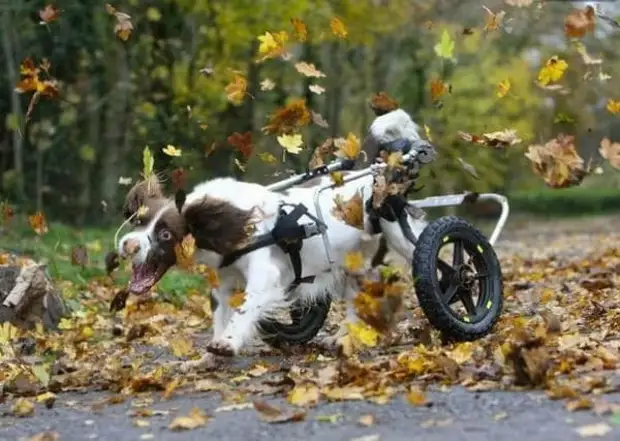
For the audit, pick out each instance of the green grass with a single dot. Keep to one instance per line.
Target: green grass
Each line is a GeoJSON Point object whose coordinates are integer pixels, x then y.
{"type": "Point", "coordinates": [566, 202]}
{"type": "Point", "coordinates": [54, 249]}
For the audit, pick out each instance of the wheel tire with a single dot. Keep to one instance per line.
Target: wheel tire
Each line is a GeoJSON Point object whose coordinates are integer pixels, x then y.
{"type": "Point", "coordinates": [438, 312]}
{"type": "Point", "coordinates": [307, 322]}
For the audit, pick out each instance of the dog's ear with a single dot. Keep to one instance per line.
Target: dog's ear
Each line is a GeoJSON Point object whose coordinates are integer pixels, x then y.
{"type": "Point", "coordinates": [140, 193]}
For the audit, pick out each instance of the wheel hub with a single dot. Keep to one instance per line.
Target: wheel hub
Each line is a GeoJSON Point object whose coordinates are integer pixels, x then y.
{"type": "Point", "coordinates": [465, 276]}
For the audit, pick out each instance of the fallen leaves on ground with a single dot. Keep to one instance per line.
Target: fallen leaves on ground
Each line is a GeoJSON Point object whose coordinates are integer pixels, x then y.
{"type": "Point", "coordinates": [272, 414]}
{"type": "Point", "coordinates": [195, 419]}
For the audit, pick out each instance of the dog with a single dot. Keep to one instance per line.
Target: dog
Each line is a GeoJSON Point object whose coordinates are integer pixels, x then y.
{"type": "Point", "coordinates": [224, 215]}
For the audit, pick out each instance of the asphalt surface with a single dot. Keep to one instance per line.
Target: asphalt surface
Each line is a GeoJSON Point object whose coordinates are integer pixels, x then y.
{"type": "Point", "coordinates": [457, 414]}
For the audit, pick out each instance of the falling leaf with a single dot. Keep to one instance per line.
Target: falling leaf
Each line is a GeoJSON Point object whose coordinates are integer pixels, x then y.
{"type": "Point", "coordinates": [587, 59]}
{"type": "Point", "coordinates": [124, 181]}
{"type": "Point", "coordinates": [272, 414]}
{"type": "Point", "coordinates": [300, 30]}
{"type": "Point", "coordinates": [613, 106]}
{"type": "Point", "coordinates": [123, 26]}
{"type": "Point", "coordinates": [267, 84]}
{"type": "Point", "coordinates": [195, 419]}
{"type": "Point", "coordinates": [350, 211]}
{"type": "Point", "coordinates": [492, 21]}
{"type": "Point", "coordinates": [31, 81]}
{"type": "Point", "coordinates": [22, 407]}
{"type": "Point", "coordinates": [304, 395]}
{"type": "Point", "coordinates": [503, 87]}
{"type": "Point", "coordinates": [438, 89]}
{"type": "Point", "coordinates": [268, 158]}
{"type": "Point", "coordinates": [185, 251]}
{"type": "Point", "coordinates": [611, 152]}
{"type": "Point", "coordinates": [445, 47]}
{"type": "Point", "coordinates": [338, 28]}
{"type": "Point", "coordinates": [79, 256]}
{"type": "Point", "coordinates": [272, 44]}
{"type": "Point", "coordinates": [308, 70]}
{"type": "Point", "coordinates": [468, 167]}
{"type": "Point", "coordinates": [557, 162]}
{"type": "Point", "coordinates": [427, 132]}
{"type": "Point", "coordinates": [552, 71]}
{"type": "Point", "coordinates": [288, 118]}
{"type": "Point", "coordinates": [49, 14]}
{"type": "Point", "coordinates": [37, 223]}
{"type": "Point", "coordinates": [363, 333]}
{"type": "Point", "coordinates": [239, 165]}
{"type": "Point", "coordinates": [206, 71]}
{"type": "Point", "coordinates": [350, 148]}
{"type": "Point", "coordinates": [242, 142]}
{"type": "Point", "coordinates": [318, 119]}
{"type": "Point", "coordinates": [579, 22]}
{"type": "Point", "coordinates": [236, 89]}
{"type": "Point", "coordinates": [315, 88]}
{"type": "Point", "coordinates": [354, 261]}
{"type": "Point", "coordinates": [291, 143]}
{"type": "Point", "coordinates": [500, 139]}
{"type": "Point", "coordinates": [237, 299]}
{"type": "Point", "coordinates": [416, 397]}
{"type": "Point", "coordinates": [171, 150]}
{"type": "Point", "coordinates": [147, 163]}
{"type": "Point", "coordinates": [596, 429]}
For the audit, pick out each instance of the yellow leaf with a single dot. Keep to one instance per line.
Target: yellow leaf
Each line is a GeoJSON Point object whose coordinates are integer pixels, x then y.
{"type": "Point", "coordinates": [236, 89]}
{"type": "Point", "coordinates": [613, 106]}
{"type": "Point", "coordinates": [337, 178]}
{"type": "Point", "coordinates": [363, 334]}
{"type": "Point", "coordinates": [171, 150]}
{"type": "Point", "coordinates": [427, 131]}
{"type": "Point", "coordinates": [338, 28]}
{"type": "Point", "coordinates": [236, 299]}
{"type": "Point", "coordinates": [195, 419]}
{"type": "Point", "coordinates": [350, 148]}
{"type": "Point", "coordinates": [185, 251]}
{"type": "Point", "coordinates": [181, 346]}
{"type": "Point", "coordinates": [552, 71]}
{"type": "Point", "coordinates": [47, 398]}
{"type": "Point", "coordinates": [171, 386]}
{"type": "Point", "coordinates": [304, 395]}
{"type": "Point", "coordinates": [301, 29]}
{"type": "Point", "coordinates": [354, 261]}
{"type": "Point", "coordinates": [42, 372]}
{"type": "Point", "coordinates": [147, 162]}
{"type": "Point", "coordinates": [22, 408]}
{"type": "Point", "coordinates": [350, 211]}
{"type": "Point", "coordinates": [416, 397]}
{"type": "Point", "coordinates": [271, 45]}
{"type": "Point", "coordinates": [492, 21]}
{"type": "Point", "coordinates": [291, 143]}
{"type": "Point", "coordinates": [143, 210]}
{"type": "Point", "coordinates": [8, 333]}
{"type": "Point", "coordinates": [267, 158]}
{"type": "Point", "coordinates": [502, 88]}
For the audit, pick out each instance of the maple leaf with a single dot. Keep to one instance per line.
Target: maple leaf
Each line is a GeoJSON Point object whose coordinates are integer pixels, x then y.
{"type": "Point", "coordinates": [315, 88]}
{"type": "Point", "coordinates": [338, 28]}
{"type": "Point", "coordinates": [37, 223]}
{"type": "Point", "coordinates": [31, 82]}
{"type": "Point", "coordinates": [348, 148]}
{"type": "Point", "coordinates": [300, 29]}
{"type": "Point", "coordinates": [49, 14]}
{"type": "Point", "coordinates": [503, 87]}
{"type": "Point", "coordinates": [195, 419]}
{"type": "Point", "coordinates": [185, 251]}
{"type": "Point", "coordinates": [579, 22]}
{"type": "Point", "coordinates": [613, 106]}
{"type": "Point", "coordinates": [171, 150]}
{"type": "Point", "coordinates": [236, 89]}
{"type": "Point", "coordinates": [308, 70]}
{"type": "Point", "coordinates": [123, 26]}
{"type": "Point", "coordinates": [267, 84]}
{"type": "Point", "coordinates": [271, 44]}
{"type": "Point", "coordinates": [492, 21]}
{"type": "Point", "coordinates": [611, 152]}
{"type": "Point", "coordinates": [557, 162]}
{"type": "Point", "coordinates": [438, 89]}
{"type": "Point", "coordinates": [242, 142]}
{"type": "Point", "coordinates": [291, 143]}
{"type": "Point", "coordinates": [552, 71]}
{"type": "Point", "coordinates": [350, 211]}
{"type": "Point", "coordinates": [445, 47]}
{"type": "Point", "coordinates": [363, 334]}
{"type": "Point", "coordinates": [288, 118]}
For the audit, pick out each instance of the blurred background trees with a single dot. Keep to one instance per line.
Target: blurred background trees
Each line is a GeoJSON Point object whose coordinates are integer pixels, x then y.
{"type": "Point", "coordinates": [165, 85]}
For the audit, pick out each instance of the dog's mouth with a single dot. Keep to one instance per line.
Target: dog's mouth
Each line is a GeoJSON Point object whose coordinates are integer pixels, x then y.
{"type": "Point", "coordinates": [144, 276]}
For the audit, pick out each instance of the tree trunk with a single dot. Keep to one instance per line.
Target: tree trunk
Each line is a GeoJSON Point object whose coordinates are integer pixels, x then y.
{"type": "Point", "coordinates": [335, 89]}
{"type": "Point", "coordinates": [16, 109]}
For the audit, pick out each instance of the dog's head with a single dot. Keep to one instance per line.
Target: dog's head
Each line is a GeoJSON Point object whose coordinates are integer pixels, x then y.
{"type": "Point", "coordinates": [160, 224]}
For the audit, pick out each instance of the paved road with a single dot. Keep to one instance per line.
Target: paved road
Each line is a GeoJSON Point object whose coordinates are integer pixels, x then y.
{"type": "Point", "coordinates": [457, 414]}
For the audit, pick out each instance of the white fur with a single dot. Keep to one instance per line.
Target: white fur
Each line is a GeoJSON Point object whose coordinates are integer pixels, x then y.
{"type": "Point", "coordinates": [394, 125]}
{"type": "Point", "coordinates": [266, 273]}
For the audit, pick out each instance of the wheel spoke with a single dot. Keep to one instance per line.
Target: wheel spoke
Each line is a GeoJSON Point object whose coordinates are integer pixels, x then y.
{"type": "Point", "coordinates": [468, 302]}
{"type": "Point", "coordinates": [445, 268]}
{"type": "Point", "coordinates": [451, 293]}
{"type": "Point", "coordinates": [459, 256]}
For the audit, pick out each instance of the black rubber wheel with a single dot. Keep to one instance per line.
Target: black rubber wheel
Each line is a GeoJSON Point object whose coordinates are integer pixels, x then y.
{"type": "Point", "coordinates": [473, 279]}
{"type": "Point", "coordinates": [306, 322]}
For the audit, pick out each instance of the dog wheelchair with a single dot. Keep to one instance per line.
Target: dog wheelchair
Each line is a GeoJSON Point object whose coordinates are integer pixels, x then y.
{"type": "Point", "coordinates": [474, 281]}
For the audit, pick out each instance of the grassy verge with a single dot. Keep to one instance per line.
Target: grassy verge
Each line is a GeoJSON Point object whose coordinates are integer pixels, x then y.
{"type": "Point", "coordinates": [567, 202]}
{"type": "Point", "coordinates": [54, 249]}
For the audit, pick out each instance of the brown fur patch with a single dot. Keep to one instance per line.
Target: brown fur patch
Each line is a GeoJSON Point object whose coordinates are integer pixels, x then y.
{"type": "Point", "coordinates": [140, 193]}
{"type": "Point", "coordinates": [218, 225]}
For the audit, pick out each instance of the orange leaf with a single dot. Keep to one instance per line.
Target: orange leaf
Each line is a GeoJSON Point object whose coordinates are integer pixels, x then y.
{"type": "Point", "coordinates": [351, 211]}
{"type": "Point", "coordinates": [242, 142]}
{"type": "Point", "coordinates": [236, 89]}
{"type": "Point", "coordinates": [613, 106]}
{"type": "Point", "coordinates": [49, 14]}
{"type": "Point", "coordinates": [185, 252]}
{"type": "Point", "coordinates": [438, 89]}
{"type": "Point", "coordinates": [557, 162]}
{"type": "Point", "coordinates": [301, 29]}
{"type": "Point", "coordinates": [579, 22]}
{"type": "Point", "coordinates": [289, 118]}
{"type": "Point", "coordinates": [237, 299]}
{"type": "Point", "coordinates": [338, 28]}
{"type": "Point", "coordinates": [37, 223]}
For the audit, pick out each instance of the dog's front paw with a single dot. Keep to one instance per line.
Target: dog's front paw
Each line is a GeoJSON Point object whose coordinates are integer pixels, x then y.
{"type": "Point", "coordinates": [221, 347]}
{"type": "Point", "coordinates": [207, 361]}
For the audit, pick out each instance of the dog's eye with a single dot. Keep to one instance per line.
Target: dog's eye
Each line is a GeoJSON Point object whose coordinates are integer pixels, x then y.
{"type": "Point", "coordinates": [165, 235]}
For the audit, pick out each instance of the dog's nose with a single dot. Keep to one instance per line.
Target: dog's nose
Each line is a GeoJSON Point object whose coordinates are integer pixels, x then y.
{"type": "Point", "coordinates": [131, 247]}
